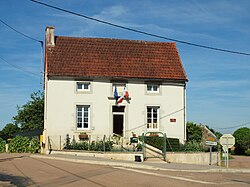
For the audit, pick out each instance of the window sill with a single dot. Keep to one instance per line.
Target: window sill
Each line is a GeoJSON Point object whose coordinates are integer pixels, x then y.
{"type": "Point", "coordinates": [113, 98]}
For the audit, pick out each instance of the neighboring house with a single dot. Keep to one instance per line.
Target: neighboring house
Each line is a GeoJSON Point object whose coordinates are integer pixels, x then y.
{"type": "Point", "coordinates": [83, 75]}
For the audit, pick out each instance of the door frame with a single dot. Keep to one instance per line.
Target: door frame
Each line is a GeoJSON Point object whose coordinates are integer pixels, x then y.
{"type": "Point", "coordinates": [124, 124]}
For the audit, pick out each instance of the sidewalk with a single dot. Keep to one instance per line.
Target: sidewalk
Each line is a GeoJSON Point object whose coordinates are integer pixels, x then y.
{"type": "Point", "coordinates": [152, 165]}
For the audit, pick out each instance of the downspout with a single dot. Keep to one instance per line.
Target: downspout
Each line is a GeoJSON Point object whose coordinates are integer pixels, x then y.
{"type": "Point", "coordinates": [184, 112]}
{"type": "Point", "coordinates": [45, 140]}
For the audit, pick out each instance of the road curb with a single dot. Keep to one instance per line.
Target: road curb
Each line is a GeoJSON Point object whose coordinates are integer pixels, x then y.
{"type": "Point", "coordinates": [94, 162]}
{"type": "Point", "coordinates": [137, 166]}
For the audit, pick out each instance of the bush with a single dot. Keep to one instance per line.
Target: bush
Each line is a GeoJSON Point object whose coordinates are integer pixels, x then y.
{"type": "Point", "coordinates": [93, 146]}
{"type": "Point", "coordinates": [19, 144]}
{"type": "Point", "coordinates": [239, 151]}
{"type": "Point", "coordinates": [34, 145]}
{"type": "Point", "coordinates": [192, 146]}
{"type": "Point", "coordinates": [247, 152]}
{"type": "Point", "coordinates": [79, 145]}
{"type": "Point", "coordinates": [2, 145]}
{"type": "Point", "coordinates": [194, 132]}
{"type": "Point", "coordinates": [242, 140]}
{"type": "Point", "coordinates": [22, 144]}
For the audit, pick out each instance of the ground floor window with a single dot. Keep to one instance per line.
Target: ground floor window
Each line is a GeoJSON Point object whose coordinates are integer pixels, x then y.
{"type": "Point", "coordinates": [83, 116]}
{"type": "Point", "coordinates": [153, 117]}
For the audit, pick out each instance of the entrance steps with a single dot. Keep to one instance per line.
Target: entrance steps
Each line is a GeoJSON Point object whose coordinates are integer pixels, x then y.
{"type": "Point", "coordinates": [153, 154]}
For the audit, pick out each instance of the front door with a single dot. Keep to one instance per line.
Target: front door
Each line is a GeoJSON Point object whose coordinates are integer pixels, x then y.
{"type": "Point", "coordinates": [118, 124]}
{"type": "Point", "coordinates": [118, 119]}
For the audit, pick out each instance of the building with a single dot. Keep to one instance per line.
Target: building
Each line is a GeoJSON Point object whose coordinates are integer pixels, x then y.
{"type": "Point", "coordinates": [83, 76]}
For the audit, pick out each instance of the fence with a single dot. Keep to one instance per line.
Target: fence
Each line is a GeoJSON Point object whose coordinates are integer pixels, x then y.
{"type": "Point", "coordinates": [114, 143]}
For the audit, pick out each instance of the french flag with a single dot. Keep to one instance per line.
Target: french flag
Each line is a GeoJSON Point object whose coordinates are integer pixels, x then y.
{"type": "Point", "coordinates": [116, 94]}
{"type": "Point", "coordinates": [125, 95]}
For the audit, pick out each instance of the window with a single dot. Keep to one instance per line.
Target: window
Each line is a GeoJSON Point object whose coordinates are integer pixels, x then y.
{"type": "Point", "coordinates": [153, 117]}
{"type": "Point", "coordinates": [83, 86]}
{"type": "Point", "coordinates": [119, 88]}
{"type": "Point", "coordinates": [83, 116]}
{"type": "Point", "coordinates": [152, 88]}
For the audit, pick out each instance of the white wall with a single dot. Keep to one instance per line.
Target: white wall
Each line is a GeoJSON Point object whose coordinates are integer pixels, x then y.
{"type": "Point", "coordinates": [62, 98]}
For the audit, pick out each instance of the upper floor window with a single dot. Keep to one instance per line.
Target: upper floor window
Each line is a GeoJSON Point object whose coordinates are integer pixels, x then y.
{"type": "Point", "coordinates": [153, 88]}
{"type": "Point", "coordinates": [153, 117]}
{"type": "Point", "coordinates": [83, 86]}
{"type": "Point", "coordinates": [119, 88]}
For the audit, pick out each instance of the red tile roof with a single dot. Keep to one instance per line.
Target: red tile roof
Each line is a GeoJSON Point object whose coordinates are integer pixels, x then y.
{"type": "Point", "coordinates": [113, 58]}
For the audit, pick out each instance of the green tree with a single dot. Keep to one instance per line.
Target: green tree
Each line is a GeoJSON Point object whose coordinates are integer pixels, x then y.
{"type": "Point", "coordinates": [194, 132]}
{"type": "Point", "coordinates": [30, 115]}
{"type": "Point", "coordinates": [10, 129]}
{"type": "Point", "coordinates": [242, 140]}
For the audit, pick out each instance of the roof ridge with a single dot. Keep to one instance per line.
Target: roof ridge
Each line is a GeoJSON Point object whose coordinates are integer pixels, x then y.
{"type": "Point", "coordinates": [117, 39]}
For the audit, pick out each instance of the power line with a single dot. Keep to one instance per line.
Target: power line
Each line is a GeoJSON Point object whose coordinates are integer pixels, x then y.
{"type": "Point", "coordinates": [162, 117]}
{"type": "Point", "coordinates": [143, 32]}
{"type": "Point", "coordinates": [31, 38]}
{"type": "Point", "coordinates": [231, 127]}
{"type": "Point", "coordinates": [12, 28]}
{"type": "Point", "coordinates": [18, 67]}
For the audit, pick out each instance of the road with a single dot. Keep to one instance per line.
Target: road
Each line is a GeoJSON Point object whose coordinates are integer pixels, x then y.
{"type": "Point", "coordinates": [22, 170]}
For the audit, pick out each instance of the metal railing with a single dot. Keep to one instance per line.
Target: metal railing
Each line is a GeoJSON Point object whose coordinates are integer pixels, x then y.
{"type": "Point", "coordinates": [113, 143]}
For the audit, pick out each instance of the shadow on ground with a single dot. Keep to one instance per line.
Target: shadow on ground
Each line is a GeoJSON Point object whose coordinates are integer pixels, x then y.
{"type": "Point", "coordinates": [15, 180]}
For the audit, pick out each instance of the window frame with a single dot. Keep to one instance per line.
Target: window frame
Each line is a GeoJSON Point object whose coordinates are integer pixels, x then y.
{"type": "Point", "coordinates": [83, 83]}
{"type": "Point", "coordinates": [152, 91]}
{"type": "Point", "coordinates": [83, 107]}
{"type": "Point", "coordinates": [119, 87]}
{"type": "Point", "coordinates": [151, 124]}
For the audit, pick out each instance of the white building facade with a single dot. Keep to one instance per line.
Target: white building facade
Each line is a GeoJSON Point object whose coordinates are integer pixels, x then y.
{"type": "Point", "coordinates": [76, 101]}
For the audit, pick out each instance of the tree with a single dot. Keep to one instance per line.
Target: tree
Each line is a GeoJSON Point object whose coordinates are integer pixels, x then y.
{"type": "Point", "coordinates": [30, 115]}
{"type": "Point", "coordinates": [242, 140]}
{"type": "Point", "coordinates": [10, 129]}
{"type": "Point", "coordinates": [194, 132]}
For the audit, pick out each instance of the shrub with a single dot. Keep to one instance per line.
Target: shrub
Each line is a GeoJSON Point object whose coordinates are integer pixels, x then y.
{"type": "Point", "coordinates": [34, 145]}
{"type": "Point", "coordinates": [99, 146]}
{"type": "Point", "coordinates": [79, 145]}
{"type": "Point", "coordinates": [247, 152]}
{"type": "Point", "coordinates": [192, 146]}
{"type": "Point", "coordinates": [2, 145]}
{"type": "Point", "coordinates": [242, 140]}
{"type": "Point", "coordinates": [22, 144]}
{"type": "Point", "coordinates": [67, 145]}
{"type": "Point", "coordinates": [19, 144]}
{"type": "Point", "coordinates": [239, 150]}
{"type": "Point", "coordinates": [93, 146]}
{"type": "Point", "coordinates": [194, 132]}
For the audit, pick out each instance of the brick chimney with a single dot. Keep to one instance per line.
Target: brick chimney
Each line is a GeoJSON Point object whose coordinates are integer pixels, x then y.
{"type": "Point", "coordinates": [50, 36]}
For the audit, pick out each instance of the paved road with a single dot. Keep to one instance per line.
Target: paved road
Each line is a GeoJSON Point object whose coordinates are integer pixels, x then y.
{"type": "Point", "coordinates": [22, 170]}
{"type": "Point", "coordinates": [240, 162]}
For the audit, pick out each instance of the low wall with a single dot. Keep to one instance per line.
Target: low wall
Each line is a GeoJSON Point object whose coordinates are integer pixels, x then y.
{"type": "Point", "coordinates": [187, 158]}
{"type": "Point", "coordinates": [108, 155]}
{"type": "Point", "coordinates": [193, 158]}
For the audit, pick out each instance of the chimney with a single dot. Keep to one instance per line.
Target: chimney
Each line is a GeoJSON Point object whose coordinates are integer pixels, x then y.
{"type": "Point", "coordinates": [50, 36]}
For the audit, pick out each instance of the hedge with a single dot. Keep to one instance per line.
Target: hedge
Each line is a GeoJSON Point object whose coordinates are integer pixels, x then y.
{"type": "Point", "coordinates": [93, 146]}
{"type": "Point", "coordinates": [2, 145]}
{"type": "Point", "coordinates": [22, 144]}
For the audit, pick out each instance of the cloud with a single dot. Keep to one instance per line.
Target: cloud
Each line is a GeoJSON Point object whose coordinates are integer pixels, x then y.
{"type": "Point", "coordinates": [189, 12]}
{"type": "Point", "coordinates": [113, 12]}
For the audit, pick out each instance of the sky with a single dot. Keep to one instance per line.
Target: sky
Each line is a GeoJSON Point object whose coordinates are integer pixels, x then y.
{"type": "Point", "coordinates": [218, 90]}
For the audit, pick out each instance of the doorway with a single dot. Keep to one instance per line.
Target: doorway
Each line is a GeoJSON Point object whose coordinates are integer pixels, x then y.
{"type": "Point", "coordinates": [118, 119]}
{"type": "Point", "coordinates": [118, 124]}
